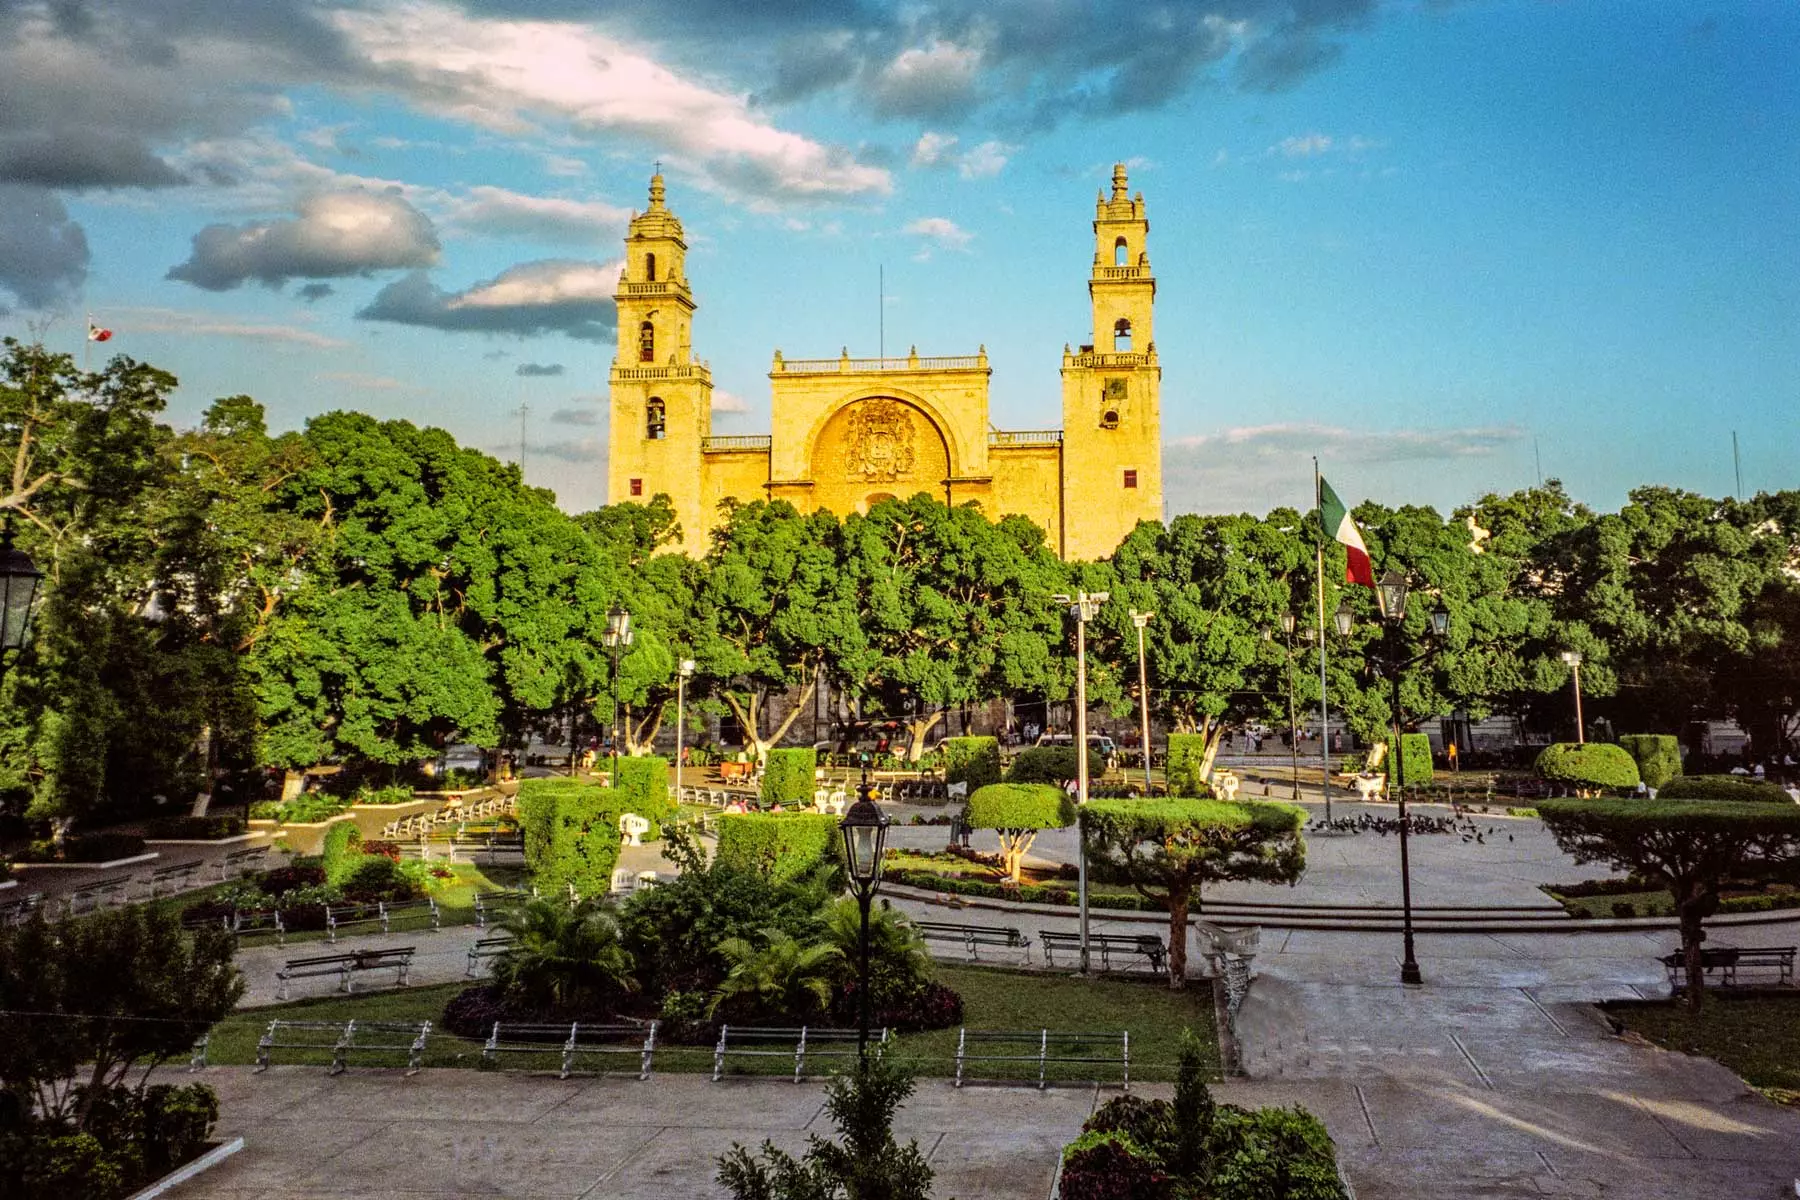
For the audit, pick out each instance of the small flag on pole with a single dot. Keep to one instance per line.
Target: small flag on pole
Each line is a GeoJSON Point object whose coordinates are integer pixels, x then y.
{"type": "Point", "coordinates": [97, 334]}
{"type": "Point", "coordinates": [1338, 523]}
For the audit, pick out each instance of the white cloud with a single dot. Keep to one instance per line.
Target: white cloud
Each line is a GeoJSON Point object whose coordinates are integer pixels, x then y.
{"type": "Point", "coordinates": [934, 149]}
{"type": "Point", "coordinates": [494, 210]}
{"type": "Point", "coordinates": [531, 299]}
{"type": "Point", "coordinates": [332, 235]}
{"type": "Point", "coordinates": [367, 383]}
{"type": "Point", "coordinates": [204, 324]}
{"type": "Point", "coordinates": [935, 80]}
{"type": "Point", "coordinates": [509, 75]}
{"type": "Point", "coordinates": [728, 402]}
{"type": "Point", "coordinates": [940, 231]}
{"type": "Point", "coordinates": [1305, 145]}
{"type": "Point", "coordinates": [938, 151]}
{"type": "Point", "coordinates": [986, 160]}
{"type": "Point", "coordinates": [558, 164]}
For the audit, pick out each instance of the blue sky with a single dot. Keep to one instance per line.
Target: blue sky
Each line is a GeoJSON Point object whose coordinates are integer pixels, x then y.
{"type": "Point", "coordinates": [1430, 242]}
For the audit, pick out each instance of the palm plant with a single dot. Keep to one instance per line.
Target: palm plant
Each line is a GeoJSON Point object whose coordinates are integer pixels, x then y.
{"type": "Point", "coordinates": [898, 962]}
{"type": "Point", "coordinates": [780, 976]}
{"type": "Point", "coordinates": [563, 956]}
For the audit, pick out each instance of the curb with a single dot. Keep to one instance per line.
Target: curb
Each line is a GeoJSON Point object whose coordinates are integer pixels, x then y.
{"type": "Point", "coordinates": [205, 1162]}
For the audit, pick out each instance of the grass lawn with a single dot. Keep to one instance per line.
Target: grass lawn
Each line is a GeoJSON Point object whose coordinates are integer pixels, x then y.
{"type": "Point", "coordinates": [952, 867]}
{"type": "Point", "coordinates": [1756, 1036]}
{"type": "Point", "coordinates": [1643, 904]}
{"type": "Point", "coordinates": [992, 998]}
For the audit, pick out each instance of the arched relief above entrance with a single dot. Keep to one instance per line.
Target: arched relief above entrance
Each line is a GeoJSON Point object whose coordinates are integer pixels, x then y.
{"type": "Point", "coordinates": [877, 444]}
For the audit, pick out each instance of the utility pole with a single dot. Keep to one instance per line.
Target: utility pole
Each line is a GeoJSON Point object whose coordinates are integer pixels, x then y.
{"type": "Point", "coordinates": [1141, 619]}
{"type": "Point", "coordinates": [1083, 606]}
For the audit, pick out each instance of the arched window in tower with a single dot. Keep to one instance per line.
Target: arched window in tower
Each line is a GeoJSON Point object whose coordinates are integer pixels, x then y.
{"type": "Point", "coordinates": [1122, 336]}
{"type": "Point", "coordinates": [650, 267]}
{"type": "Point", "coordinates": [647, 342]}
{"type": "Point", "coordinates": [653, 419]}
{"type": "Point", "coordinates": [1119, 253]}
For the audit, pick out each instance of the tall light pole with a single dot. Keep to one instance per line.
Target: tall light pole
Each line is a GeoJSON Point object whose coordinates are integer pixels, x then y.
{"type": "Point", "coordinates": [617, 637]}
{"type": "Point", "coordinates": [1141, 619]}
{"type": "Point", "coordinates": [1287, 630]}
{"type": "Point", "coordinates": [1390, 661]}
{"type": "Point", "coordinates": [1573, 658]}
{"type": "Point", "coordinates": [683, 672]}
{"type": "Point", "coordinates": [864, 828]}
{"type": "Point", "coordinates": [1083, 606]}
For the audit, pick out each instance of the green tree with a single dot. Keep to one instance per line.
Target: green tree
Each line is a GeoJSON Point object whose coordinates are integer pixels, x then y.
{"type": "Point", "coordinates": [1690, 847]}
{"type": "Point", "coordinates": [564, 956]}
{"type": "Point", "coordinates": [1170, 849]}
{"type": "Point", "coordinates": [1017, 812]}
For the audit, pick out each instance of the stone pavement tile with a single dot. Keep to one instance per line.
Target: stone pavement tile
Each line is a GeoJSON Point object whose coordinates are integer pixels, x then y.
{"type": "Point", "coordinates": [692, 1101]}
{"type": "Point", "coordinates": [485, 1096]}
{"type": "Point", "coordinates": [470, 1158]}
{"type": "Point", "coordinates": [937, 1106]}
{"type": "Point", "coordinates": [1558, 946]}
{"type": "Point", "coordinates": [1012, 1165]}
{"type": "Point", "coordinates": [1300, 966]}
{"type": "Point", "coordinates": [680, 1163]}
{"type": "Point", "coordinates": [246, 1097]}
{"type": "Point", "coordinates": [1747, 1128]}
{"type": "Point", "coordinates": [1448, 1171]}
{"type": "Point", "coordinates": [1668, 1179]}
{"type": "Point", "coordinates": [278, 1155]}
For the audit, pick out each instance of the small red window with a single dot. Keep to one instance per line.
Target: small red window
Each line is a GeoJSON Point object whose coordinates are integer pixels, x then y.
{"type": "Point", "coordinates": [637, 485]}
{"type": "Point", "coordinates": [1130, 479]}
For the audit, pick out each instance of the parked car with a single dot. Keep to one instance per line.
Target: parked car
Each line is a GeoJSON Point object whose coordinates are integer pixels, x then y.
{"type": "Point", "coordinates": [1100, 743]}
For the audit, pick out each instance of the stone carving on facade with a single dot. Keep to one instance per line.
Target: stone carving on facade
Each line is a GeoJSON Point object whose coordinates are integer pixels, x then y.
{"type": "Point", "coordinates": [881, 441]}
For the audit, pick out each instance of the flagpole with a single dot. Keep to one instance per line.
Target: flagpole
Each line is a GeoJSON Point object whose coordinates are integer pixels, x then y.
{"type": "Point", "coordinates": [1324, 714]}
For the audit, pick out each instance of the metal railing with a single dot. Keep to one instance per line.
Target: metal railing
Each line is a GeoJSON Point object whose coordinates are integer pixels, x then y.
{"type": "Point", "coordinates": [832, 366]}
{"type": "Point", "coordinates": [739, 441]}
{"type": "Point", "coordinates": [1124, 358]}
{"type": "Point", "coordinates": [1025, 437]}
{"type": "Point", "coordinates": [684, 371]}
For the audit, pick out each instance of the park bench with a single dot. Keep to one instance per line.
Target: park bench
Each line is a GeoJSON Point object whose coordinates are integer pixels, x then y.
{"type": "Point", "coordinates": [572, 1041]}
{"type": "Point", "coordinates": [379, 912]}
{"type": "Point", "coordinates": [252, 922]}
{"type": "Point", "coordinates": [485, 948]}
{"type": "Point", "coordinates": [490, 903]}
{"type": "Point", "coordinates": [17, 912]}
{"type": "Point", "coordinates": [114, 889]}
{"type": "Point", "coordinates": [344, 1039]}
{"type": "Point", "coordinates": [1728, 963]}
{"type": "Point", "coordinates": [346, 967]}
{"type": "Point", "coordinates": [1128, 946]}
{"type": "Point", "coordinates": [176, 877]}
{"type": "Point", "coordinates": [239, 862]}
{"type": "Point", "coordinates": [747, 1041]}
{"type": "Point", "coordinates": [1043, 1047]}
{"type": "Point", "coordinates": [974, 936]}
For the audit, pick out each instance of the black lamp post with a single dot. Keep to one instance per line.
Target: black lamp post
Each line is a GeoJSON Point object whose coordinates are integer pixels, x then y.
{"type": "Point", "coordinates": [19, 580]}
{"type": "Point", "coordinates": [865, 829]}
{"type": "Point", "coordinates": [1390, 661]}
{"type": "Point", "coordinates": [617, 637]}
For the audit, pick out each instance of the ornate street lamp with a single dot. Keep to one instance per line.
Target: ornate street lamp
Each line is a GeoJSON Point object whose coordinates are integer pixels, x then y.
{"type": "Point", "coordinates": [19, 580]}
{"type": "Point", "coordinates": [865, 829]}
{"type": "Point", "coordinates": [618, 636]}
{"type": "Point", "coordinates": [1287, 631]}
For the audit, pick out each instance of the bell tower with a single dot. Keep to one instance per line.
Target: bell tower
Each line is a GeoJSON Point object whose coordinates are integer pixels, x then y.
{"type": "Point", "coordinates": [1111, 387]}
{"type": "Point", "coordinates": [661, 395]}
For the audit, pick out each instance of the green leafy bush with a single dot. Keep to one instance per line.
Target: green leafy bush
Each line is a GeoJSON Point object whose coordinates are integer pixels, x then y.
{"type": "Point", "coordinates": [396, 794]}
{"type": "Point", "coordinates": [1017, 811]}
{"type": "Point", "coordinates": [1186, 752]}
{"type": "Point", "coordinates": [341, 852]}
{"type": "Point", "coordinates": [972, 760]}
{"type": "Point", "coordinates": [780, 845]}
{"type": "Point", "coordinates": [1588, 767]}
{"type": "Point", "coordinates": [305, 808]}
{"type": "Point", "coordinates": [1272, 1152]}
{"type": "Point", "coordinates": [644, 784]}
{"type": "Point", "coordinates": [1052, 764]}
{"type": "Point", "coordinates": [1658, 756]}
{"type": "Point", "coordinates": [1724, 787]}
{"type": "Point", "coordinates": [571, 830]}
{"type": "Point", "coordinates": [1415, 759]}
{"type": "Point", "coordinates": [85, 847]}
{"type": "Point", "coordinates": [788, 776]}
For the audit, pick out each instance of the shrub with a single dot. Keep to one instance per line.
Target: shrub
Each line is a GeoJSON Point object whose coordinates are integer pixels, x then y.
{"type": "Point", "coordinates": [1658, 756]}
{"type": "Point", "coordinates": [1590, 767]}
{"type": "Point", "coordinates": [1724, 787]}
{"type": "Point", "coordinates": [571, 830]}
{"type": "Point", "coordinates": [1269, 1152]}
{"type": "Point", "coordinates": [779, 845]}
{"type": "Point", "coordinates": [397, 794]}
{"type": "Point", "coordinates": [643, 784]}
{"type": "Point", "coordinates": [1415, 759]}
{"type": "Point", "coordinates": [279, 881]}
{"type": "Point", "coordinates": [471, 1013]}
{"type": "Point", "coordinates": [567, 959]}
{"type": "Point", "coordinates": [194, 828]}
{"type": "Point", "coordinates": [307, 807]}
{"type": "Point", "coordinates": [374, 877]}
{"type": "Point", "coordinates": [1187, 751]}
{"type": "Point", "coordinates": [86, 847]}
{"type": "Point", "coordinates": [1110, 1165]}
{"type": "Point", "coordinates": [1017, 811]}
{"type": "Point", "coordinates": [1052, 764]}
{"type": "Point", "coordinates": [788, 776]}
{"type": "Point", "coordinates": [972, 760]}
{"type": "Point", "coordinates": [341, 852]}
{"type": "Point", "coordinates": [1147, 1122]}
{"type": "Point", "coordinates": [389, 850]}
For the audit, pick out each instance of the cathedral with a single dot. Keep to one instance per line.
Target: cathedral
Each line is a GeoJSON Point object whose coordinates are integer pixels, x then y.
{"type": "Point", "coordinates": [848, 432]}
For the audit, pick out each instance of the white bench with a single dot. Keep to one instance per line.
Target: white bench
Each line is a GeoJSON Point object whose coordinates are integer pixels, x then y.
{"type": "Point", "coordinates": [746, 1041]}
{"type": "Point", "coordinates": [572, 1041]}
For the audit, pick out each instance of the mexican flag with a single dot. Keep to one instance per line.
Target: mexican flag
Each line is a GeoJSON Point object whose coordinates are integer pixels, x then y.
{"type": "Point", "coordinates": [1335, 517]}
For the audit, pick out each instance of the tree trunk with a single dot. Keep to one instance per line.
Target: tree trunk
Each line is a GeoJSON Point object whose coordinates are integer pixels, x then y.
{"type": "Point", "coordinates": [1178, 939]}
{"type": "Point", "coordinates": [1214, 732]}
{"type": "Point", "coordinates": [748, 712]}
{"type": "Point", "coordinates": [920, 729]}
{"type": "Point", "coordinates": [1013, 845]}
{"type": "Point", "coordinates": [640, 736]}
{"type": "Point", "coordinates": [1692, 935]}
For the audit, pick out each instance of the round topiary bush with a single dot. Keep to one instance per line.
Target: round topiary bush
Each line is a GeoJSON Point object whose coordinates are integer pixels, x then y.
{"type": "Point", "coordinates": [1724, 787]}
{"type": "Point", "coordinates": [1589, 768]}
{"type": "Point", "coordinates": [1658, 756]}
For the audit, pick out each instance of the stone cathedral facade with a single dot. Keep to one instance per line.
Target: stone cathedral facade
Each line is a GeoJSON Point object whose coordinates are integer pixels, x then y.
{"type": "Point", "coordinates": [849, 432]}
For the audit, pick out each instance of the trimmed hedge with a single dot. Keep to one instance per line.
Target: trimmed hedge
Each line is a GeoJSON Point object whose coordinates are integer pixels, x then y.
{"type": "Point", "coordinates": [1020, 806]}
{"type": "Point", "coordinates": [1658, 756]}
{"type": "Point", "coordinates": [1730, 788]}
{"type": "Point", "coordinates": [341, 852]}
{"type": "Point", "coordinates": [972, 760]}
{"type": "Point", "coordinates": [1588, 765]}
{"type": "Point", "coordinates": [788, 776]}
{"type": "Point", "coordinates": [1415, 760]}
{"type": "Point", "coordinates": [1052, 764]}
{"type": "Point", "coordinates": [780, 845]}
{"type": "Point", "coordinates": [1186, 752]}
{"type": "Point", "coordinates": [571, 830]}
{"type": "Point", "coordinates": [644, 783]}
